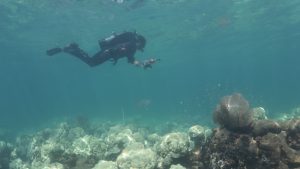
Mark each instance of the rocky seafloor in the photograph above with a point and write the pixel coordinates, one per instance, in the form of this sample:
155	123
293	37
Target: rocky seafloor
244	139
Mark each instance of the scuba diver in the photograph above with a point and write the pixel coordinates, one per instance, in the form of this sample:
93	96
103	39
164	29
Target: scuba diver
113	48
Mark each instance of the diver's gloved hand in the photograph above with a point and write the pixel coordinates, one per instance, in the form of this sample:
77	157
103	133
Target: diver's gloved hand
146	63
53	51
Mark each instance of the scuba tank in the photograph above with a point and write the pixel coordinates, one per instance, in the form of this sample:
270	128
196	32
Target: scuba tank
116	39
107	42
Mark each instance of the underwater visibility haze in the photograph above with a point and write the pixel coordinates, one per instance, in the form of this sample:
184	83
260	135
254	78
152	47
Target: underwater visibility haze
208	49
225	93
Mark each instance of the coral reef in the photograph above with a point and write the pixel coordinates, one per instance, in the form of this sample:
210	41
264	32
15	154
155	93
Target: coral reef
259	113
136	156
199	134
178	166
5	150
265	143
233	113
105	164
294	114
244	139
172	147
262	127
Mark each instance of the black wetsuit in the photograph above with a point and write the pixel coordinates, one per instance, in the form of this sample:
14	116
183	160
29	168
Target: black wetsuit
112	48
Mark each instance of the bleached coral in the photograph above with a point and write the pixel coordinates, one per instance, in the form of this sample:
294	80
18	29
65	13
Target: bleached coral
172	145
152	139
199	134
259	113
40	165
178	166
18	164
105	165
116	141
136	156
88	145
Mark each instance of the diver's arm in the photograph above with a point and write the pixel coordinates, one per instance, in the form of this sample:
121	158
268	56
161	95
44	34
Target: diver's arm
130	51
130	58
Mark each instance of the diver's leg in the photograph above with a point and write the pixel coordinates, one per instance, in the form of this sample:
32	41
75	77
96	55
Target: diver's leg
101	57
97	59
74	50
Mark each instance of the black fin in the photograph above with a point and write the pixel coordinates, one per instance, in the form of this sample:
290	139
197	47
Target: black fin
53	51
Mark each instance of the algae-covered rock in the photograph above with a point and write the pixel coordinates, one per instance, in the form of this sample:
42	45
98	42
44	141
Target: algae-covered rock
262	127
292	128
290	155
267	147
271	143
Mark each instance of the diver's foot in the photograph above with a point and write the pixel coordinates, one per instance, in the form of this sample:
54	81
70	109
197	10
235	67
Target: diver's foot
72	47
53	51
